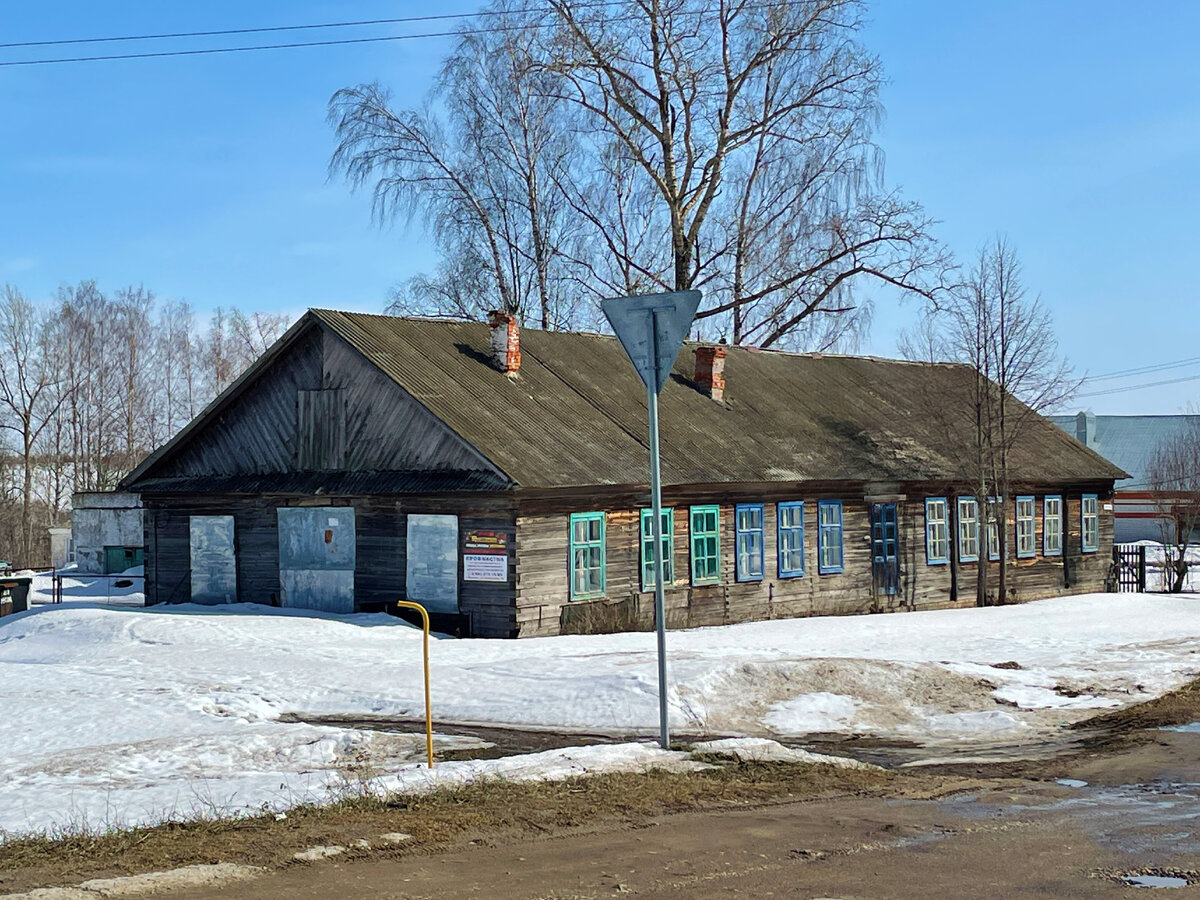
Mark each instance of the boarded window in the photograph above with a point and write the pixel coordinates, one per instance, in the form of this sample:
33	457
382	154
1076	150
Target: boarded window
320	430
431	573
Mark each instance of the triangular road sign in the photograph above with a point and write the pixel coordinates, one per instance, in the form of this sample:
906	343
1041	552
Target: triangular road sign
651	328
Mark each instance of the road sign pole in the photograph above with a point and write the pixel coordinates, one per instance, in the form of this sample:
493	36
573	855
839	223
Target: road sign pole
651	328
660	613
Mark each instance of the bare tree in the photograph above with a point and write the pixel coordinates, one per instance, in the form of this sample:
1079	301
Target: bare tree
990	323
482	169
27	393
1174	476
750	124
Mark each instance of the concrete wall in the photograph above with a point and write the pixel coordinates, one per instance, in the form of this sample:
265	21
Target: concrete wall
108	519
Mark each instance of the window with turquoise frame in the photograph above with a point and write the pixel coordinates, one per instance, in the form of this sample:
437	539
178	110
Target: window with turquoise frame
968	529
1026	529
587	555
748	519
791	539
829	537
937	535
1090	520
668	544
1052	525
706	544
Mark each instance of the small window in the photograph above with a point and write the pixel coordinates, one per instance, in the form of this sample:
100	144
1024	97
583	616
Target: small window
937	539
668	543
1091	523
995	509
1026	535
829	536
1052	526
587	555
968	529
706	544
749	521
791	539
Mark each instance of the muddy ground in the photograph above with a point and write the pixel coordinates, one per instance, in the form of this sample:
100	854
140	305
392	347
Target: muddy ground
1120	800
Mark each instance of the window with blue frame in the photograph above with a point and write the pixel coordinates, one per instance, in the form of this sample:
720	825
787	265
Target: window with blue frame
1052	526
937	535
706	544
1090	520
668	543
968	529
748	519
1026	529
791	539
587	555
829	536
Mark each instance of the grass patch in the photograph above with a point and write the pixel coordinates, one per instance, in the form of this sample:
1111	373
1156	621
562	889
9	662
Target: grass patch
490	811
1177	707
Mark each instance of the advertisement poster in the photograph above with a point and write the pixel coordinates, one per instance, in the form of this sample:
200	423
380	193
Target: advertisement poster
485	556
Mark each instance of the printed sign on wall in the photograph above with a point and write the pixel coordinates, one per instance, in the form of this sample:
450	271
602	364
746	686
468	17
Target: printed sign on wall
485	556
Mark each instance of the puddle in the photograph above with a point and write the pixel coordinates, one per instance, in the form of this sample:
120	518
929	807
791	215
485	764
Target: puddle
1155	881
1190	728
1070	782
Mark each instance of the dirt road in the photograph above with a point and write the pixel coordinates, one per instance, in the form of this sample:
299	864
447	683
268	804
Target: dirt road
1025	836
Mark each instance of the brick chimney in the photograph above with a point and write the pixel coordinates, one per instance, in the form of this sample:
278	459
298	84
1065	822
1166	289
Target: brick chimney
506	342
710	370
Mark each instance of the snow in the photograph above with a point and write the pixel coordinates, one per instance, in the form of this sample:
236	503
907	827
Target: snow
117	715
1156	558
125	589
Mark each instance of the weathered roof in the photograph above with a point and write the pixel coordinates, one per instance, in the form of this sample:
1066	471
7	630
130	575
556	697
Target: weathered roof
1125	441
576	413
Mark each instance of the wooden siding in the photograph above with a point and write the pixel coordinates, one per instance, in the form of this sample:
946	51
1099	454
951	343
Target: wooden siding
321	430
381	537
387	429
543	565
258	433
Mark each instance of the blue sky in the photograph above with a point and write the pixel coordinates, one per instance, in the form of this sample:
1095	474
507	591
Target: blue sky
1071	127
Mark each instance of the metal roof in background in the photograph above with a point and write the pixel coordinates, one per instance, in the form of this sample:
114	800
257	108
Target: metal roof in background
1127	441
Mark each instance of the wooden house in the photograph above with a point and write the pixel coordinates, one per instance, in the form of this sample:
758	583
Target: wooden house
500	478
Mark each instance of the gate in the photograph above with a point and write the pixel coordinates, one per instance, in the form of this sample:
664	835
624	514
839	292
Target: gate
1128	572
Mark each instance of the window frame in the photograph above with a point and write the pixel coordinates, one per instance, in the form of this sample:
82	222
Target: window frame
959	503
824	529
944	559
739	532
572	544
1046	551
780	508
694	534
668	541
1031	499
1083	523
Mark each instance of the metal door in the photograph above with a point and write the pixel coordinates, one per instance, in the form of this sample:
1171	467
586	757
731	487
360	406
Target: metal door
885	558
213	559
316	558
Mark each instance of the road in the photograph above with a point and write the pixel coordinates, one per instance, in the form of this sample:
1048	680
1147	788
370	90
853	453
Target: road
1026	837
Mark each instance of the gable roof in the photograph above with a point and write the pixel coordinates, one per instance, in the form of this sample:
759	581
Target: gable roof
1126	441
576	413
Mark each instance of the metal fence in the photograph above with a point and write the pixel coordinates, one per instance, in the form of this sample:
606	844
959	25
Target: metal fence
1128	571
111	582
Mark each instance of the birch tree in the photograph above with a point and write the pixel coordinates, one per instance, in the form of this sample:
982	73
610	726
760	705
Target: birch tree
1006	337
28	399
1174	476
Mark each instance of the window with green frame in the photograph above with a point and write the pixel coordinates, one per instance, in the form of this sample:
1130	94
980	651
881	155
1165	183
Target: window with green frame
587	555
668	541
706	544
